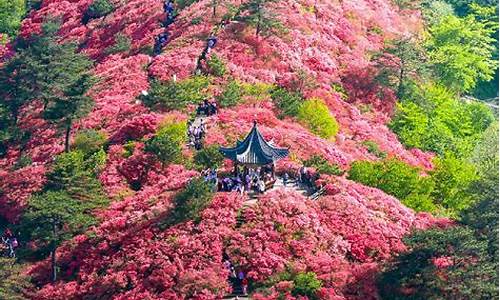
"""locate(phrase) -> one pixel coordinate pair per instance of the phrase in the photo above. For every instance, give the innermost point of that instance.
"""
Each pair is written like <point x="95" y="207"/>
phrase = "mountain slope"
<point x="342" y="237"/>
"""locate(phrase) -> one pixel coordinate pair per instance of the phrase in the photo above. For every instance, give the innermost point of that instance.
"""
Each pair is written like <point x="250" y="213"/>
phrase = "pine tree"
<point x="65" y="207"/>
<point x="51" y="72"/>
<point x="258" y="15"/>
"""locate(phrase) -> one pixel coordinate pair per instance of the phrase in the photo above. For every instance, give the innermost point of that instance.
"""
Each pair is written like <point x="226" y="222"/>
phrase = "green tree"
<point x="89" y="142"/>
<point x="64" y="207"/>
<point x="460" y="49"/>
<point x="231" y="96"/>
<point x="209" y="157"/>
<point x="190" y="202"/>
<point x="323" y="166"/>
<point x="176" y="95"/>
<point x="98" y="9"/>
<point x="55" y="216"/>
<point x="316" y="115"/>
<point x="166" y="144"/>
<point x="434" y="11"/>
<point x="11" y="14"/>
<point x="50" y="71"/>
<point x="432" y="119"/>
<point x="287" y="102"/>
<point x="122" y="44"/>
<point x="216" y="65"/>
<point x="257" y="13"/>
<point x="400" y="62"/>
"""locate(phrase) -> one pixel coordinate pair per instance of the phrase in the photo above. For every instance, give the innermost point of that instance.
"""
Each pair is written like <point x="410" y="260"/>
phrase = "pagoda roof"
<point x="254" y="150"/>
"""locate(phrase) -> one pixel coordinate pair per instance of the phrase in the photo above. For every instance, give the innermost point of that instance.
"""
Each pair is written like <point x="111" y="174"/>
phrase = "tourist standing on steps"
<point x="244" y="286"/>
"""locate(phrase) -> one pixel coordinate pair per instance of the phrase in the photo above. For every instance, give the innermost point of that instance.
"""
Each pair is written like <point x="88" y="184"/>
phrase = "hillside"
<point x="344" y="237"/>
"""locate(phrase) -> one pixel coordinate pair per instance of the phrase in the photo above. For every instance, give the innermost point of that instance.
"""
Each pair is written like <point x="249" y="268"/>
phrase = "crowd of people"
<point x="248" y="179"/>
<point x="237" y="278"/>
<point x="162" y="39"/>
<point x="207" y="108"/>
<point x="195" y="134"/>
<point x="307" y="178"/>
<point x="10" y="243"/>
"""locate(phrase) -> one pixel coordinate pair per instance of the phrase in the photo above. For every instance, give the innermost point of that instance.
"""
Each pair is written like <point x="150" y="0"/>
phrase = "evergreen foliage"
<point x="257" y="14"/>
<point x="190" y="202"/>
<point x="209" y="157"/>
<point x="216" y="65"/>
<point x="122" y="45"/>
<point x="51" y="72"/>
<point x="167" y="143"/>
<point x="231" y="96"/>
<point x="98" y="9"/>
<point x="323" y="166"/>
<point x="287" y="102"/>
<point x="176" y="95"/>
<point x="442" y="264"/>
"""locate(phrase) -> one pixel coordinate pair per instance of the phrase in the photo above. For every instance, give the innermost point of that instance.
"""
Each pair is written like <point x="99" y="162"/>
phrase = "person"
<point x="261" y="185"/>
<point x="168" y="6"/>
<point x="169" y="19"/>
<point x="302" y="172"/>
<point x="285" y="178"/>
<point x="244" y="285"/>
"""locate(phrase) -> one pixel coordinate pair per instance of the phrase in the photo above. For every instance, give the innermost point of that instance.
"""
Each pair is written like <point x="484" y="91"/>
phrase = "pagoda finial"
<point x="254" y="123"/>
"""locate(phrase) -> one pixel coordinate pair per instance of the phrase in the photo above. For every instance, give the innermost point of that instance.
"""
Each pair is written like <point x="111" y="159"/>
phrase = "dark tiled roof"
<point x="254" y="150"/>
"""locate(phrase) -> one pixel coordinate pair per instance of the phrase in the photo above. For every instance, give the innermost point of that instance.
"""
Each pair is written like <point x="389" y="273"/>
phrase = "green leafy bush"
<point x="398" y="179"/>
<point x="374" y="149"/>
<point x="306" y="284"/>
<point x="231" y="95"/>
<point x="432" y="119"/>
<point x="89" y="141"/>
<point x="190" y="202"/>
<point x="11" y="14"/>
<point x="176" y="95"/>
<point x="315" y="114"/>
<point x="209" y="157"/>
<point x="122" y="44"/>
<point x="166" y="144"/>
<point x="453" y="178"/>
<point x="323" y="166"/>
<point x="216" y="66"/>
<point x="287" y="102"/>
<point x="98" y="9"/>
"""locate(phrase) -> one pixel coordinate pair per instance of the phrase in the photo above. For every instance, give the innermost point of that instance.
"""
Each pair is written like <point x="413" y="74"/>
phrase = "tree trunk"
<point x="53" y="253"/>
<point x="257" y="30"/>
<point x="214" y="9"/>
<point x="400" y="84"/>
<point x="67" y="136"/>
